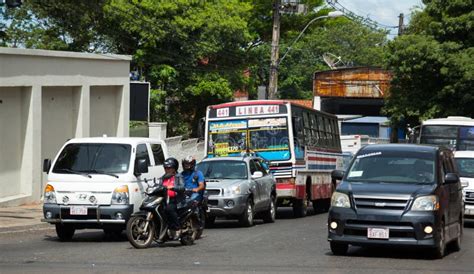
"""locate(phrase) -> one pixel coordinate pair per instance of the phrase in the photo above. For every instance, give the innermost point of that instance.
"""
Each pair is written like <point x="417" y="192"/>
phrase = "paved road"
<point x="287" y="246"/>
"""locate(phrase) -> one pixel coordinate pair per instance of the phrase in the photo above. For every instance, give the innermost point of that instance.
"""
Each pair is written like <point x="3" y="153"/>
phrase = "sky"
<point x="385" y="12"/>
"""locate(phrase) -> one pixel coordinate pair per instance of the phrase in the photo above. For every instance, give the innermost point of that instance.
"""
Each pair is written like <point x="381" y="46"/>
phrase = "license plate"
<point x="78" y="210"/>
<point x="377" y="233"/>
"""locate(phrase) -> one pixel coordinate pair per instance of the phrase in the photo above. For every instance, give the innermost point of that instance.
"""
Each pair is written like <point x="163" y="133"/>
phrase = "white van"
<point x="465" y="163"/>
<point x="99" y="182"/>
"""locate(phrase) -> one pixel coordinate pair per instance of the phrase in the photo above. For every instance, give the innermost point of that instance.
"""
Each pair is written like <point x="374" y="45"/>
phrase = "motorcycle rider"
<point x="174" y="182"/>
<point x="193" y="179"/>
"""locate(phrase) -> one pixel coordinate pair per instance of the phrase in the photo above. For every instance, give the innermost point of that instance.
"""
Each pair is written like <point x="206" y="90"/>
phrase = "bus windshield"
<point x="452" y="136"/>
<point x="267" y="137"/>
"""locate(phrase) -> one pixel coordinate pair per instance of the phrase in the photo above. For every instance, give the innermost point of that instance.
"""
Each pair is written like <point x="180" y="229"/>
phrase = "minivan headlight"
<point x="339" y="199"/>
<point x="120" y="195"/>
<point x="49" y="195"/>
<point x="426" y="203"/>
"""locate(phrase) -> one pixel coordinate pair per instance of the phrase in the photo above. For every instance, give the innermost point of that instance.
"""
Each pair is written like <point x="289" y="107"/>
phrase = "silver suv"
<point x="239" y="187"/>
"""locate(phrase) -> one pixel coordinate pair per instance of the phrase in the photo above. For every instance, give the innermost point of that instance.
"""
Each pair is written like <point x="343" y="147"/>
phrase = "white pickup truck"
<point x="99" y="182"/>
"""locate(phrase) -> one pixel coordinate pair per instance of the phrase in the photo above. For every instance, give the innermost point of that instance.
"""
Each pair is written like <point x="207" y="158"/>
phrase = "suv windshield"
<point x="465" y="167"/>
<point x="93" y="158"/>
<point x="393" y="167"/>
<point x="223" y="169"/>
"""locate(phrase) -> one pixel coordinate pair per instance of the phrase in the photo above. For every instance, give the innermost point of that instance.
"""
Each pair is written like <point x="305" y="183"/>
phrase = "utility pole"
<point x="400" y="24"/>
<point x="273" y="80"/>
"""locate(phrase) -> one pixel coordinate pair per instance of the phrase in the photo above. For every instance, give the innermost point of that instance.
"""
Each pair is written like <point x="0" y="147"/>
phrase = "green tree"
<point x="433" y="65"/>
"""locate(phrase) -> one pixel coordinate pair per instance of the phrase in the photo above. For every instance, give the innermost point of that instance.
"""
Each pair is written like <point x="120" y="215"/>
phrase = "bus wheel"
<point x="300" y="208"/>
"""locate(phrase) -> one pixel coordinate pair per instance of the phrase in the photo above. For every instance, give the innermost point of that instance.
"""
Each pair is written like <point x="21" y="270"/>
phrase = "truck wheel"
<point x="300" y="208"/>
<point x="339" y="248"/>
<point x="113" y="232"/>
<point x="439" y="250"/>
<point x="246" y="219"/>
<point x="209" y="222"/>
<point x="269" y="216"/>
<point x="65" y="232"/>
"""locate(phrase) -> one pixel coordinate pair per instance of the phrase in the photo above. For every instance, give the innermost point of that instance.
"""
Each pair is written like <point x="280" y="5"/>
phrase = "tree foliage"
<point x="433" y="65"/>
<point x="194" y="53"/>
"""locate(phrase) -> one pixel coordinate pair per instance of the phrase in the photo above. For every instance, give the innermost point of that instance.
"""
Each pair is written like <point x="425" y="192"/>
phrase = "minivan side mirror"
<point x="46" y="165"/>
<point x="141" y="167"/>
<point x="451" y="178"/>
<point x="337" y="174"/>
<point x="257" y="174"/>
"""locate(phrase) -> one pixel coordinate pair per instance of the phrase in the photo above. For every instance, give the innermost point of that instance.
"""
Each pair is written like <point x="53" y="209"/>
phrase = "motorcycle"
<point x="149" y="224"/>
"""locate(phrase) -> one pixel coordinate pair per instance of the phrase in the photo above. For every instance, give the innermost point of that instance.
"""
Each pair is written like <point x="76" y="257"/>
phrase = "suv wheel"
<point x="439" y="250"/>
<point x="339" y="248"/>
<point x="246" y="219"/>
<point x="457" y="242"/>
<point x="269" y="216"/>
<point x="65" y="232"/>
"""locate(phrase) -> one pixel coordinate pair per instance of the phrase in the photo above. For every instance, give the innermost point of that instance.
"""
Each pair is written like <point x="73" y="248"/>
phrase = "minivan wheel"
<point x="339" y="248"/>
<point x="65" y="232"/>
<point x="440" y="249"/>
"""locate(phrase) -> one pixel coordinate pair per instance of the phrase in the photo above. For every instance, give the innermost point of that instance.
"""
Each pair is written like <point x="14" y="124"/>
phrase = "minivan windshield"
<point x="223" y="169"/>
<point x="465" y="167"/>
<point x="93" y="158"/>
<point x="399" y="167"/>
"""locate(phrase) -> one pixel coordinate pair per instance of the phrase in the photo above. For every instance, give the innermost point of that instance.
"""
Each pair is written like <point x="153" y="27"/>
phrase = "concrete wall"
<point x="47" y="97"/>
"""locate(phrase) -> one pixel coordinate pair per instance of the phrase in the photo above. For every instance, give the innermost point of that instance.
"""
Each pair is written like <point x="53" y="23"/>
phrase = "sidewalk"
<point x="21" y="217"/>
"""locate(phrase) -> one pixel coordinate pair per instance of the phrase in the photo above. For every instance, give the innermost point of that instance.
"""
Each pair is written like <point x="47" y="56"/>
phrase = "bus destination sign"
<point x="247" y="110"/>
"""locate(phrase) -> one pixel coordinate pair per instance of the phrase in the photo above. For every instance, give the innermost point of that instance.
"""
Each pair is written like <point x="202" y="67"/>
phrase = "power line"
<point x="364" y="20"/>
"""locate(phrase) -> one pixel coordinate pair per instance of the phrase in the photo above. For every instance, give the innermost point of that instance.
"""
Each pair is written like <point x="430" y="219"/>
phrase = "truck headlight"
<point x="339" y="199"/>
<point x="49" y="195"/>
<point x="426" y="203"/>
<point x="120" y="196"/>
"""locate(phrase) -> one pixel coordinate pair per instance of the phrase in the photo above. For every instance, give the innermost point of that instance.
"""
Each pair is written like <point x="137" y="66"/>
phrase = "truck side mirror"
<point x="46" y="165"/>
<point x="141" y="167"/>
<point x="200" y="129"/>
<point x="451" y="178"/>
<point x="337" y="174"/>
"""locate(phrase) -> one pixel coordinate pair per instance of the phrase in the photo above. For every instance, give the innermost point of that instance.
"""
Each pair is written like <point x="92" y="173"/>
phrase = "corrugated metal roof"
<point x="305" y="103"/>
<point x="369" y="119"/>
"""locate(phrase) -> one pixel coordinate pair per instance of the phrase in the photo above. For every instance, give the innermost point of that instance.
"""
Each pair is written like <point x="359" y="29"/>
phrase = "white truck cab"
<point x="465" y="163"/>
<point x="99" y="182"/>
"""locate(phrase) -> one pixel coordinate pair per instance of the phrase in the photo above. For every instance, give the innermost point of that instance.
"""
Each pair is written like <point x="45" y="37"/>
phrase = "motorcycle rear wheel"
<point x="136" y="233"/>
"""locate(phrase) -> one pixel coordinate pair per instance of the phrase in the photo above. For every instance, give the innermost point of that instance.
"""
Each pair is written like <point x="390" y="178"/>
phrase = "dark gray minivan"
<point x="397" y="195"/>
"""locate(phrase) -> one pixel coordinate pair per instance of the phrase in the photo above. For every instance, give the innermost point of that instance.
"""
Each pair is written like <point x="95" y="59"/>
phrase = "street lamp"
<point x="332" y="14"/>
<point x="272" y="87"/>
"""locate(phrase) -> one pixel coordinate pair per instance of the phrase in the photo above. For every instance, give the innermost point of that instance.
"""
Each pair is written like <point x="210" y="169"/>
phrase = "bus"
<point x="301" y="145"/>
<point x="455" y="132"/>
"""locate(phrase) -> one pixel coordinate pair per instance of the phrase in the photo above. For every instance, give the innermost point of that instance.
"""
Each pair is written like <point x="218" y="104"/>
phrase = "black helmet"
<point x="171" y="162"/>
<point x="188" y="163"/>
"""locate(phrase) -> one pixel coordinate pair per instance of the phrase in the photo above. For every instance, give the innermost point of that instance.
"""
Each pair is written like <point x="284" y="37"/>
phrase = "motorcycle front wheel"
<point x="139" y="234"/>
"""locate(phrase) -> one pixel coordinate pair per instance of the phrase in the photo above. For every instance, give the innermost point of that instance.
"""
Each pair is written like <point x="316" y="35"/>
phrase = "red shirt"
<point x="169" y="182"/>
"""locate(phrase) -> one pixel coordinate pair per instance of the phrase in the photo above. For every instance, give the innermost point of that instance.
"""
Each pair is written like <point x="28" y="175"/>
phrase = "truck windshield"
<point x="223" y="169"/>
<point x="465" y="167"/>
<point x="379" y="167"/>
<point x="93" y="158"/>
